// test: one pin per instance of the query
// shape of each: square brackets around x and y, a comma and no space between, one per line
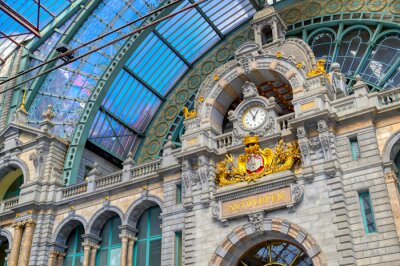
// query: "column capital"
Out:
[127,237]
[56,253]
[391,177]
[87,244]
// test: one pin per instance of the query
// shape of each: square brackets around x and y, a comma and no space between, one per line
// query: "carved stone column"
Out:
[16,245]
[130,251]
[124,248]
[60,258]
[394,198]
[52,258]
[27,244]
[86,253]
[93,253]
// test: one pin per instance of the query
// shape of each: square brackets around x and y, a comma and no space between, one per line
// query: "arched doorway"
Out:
[275,253]
[109,253]
[74,252]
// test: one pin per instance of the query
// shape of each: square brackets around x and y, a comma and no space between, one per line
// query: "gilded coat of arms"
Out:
[256,162]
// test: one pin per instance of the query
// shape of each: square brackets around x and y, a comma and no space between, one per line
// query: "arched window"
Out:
[275,253]
[147,250]
[4,246]
[10,184]
[382,58]
[323,46]
[109,253]
[394,80]
[74,254]
[352,50]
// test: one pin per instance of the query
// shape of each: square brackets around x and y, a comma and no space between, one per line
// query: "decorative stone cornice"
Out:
[25,222]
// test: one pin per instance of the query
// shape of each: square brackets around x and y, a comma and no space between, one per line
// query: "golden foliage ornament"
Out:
[256,162]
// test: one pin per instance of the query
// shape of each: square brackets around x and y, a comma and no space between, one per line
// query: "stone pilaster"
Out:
[52,258]
[86,253]
[16,246]
[392,182]
[27,244]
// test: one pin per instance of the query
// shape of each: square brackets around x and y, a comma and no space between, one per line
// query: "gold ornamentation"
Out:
[216,77]
[201,99]
[279,54]
[189,114]
[299,65]
[256,162]
[320,69]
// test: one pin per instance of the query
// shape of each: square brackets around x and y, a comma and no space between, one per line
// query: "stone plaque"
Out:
[258,202]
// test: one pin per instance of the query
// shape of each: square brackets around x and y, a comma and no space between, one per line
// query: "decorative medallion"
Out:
[256,162]
[354,5]
[194,82]
[312,10]
[154,147]
[222,55]
[395,7]
[292,15]
[171,112]
[376,5]
[182,96]
[207,67]
[333,6]
[161,129]
[237,42]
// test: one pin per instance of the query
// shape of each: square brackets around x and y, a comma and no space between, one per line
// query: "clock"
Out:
[254,116]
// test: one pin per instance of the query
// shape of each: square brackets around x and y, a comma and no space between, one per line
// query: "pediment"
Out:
[15,135]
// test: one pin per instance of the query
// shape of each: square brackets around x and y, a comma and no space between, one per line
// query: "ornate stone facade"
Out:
[313,204]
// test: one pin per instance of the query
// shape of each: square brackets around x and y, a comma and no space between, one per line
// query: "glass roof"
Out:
[13,33]
[150,72]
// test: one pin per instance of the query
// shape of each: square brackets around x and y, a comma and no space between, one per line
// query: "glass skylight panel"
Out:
[228,14]
[132,102]
[188,33]
[112,135]
[155,63]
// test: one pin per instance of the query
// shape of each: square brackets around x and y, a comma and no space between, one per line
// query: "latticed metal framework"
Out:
[129,95]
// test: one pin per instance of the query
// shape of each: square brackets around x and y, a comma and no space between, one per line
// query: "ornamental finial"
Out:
[22,106]
[49,114]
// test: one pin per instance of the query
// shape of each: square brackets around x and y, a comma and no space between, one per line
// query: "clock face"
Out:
[254,117]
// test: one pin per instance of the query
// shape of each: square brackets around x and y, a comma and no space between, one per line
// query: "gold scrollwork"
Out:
[284,157]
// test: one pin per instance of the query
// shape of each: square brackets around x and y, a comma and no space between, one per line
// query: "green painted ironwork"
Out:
[178,248]
[75,257]
[112,249]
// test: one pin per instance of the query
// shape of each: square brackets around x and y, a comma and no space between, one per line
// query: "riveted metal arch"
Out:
[81,133]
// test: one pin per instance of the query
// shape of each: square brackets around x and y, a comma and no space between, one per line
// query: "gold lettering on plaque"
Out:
[264,201]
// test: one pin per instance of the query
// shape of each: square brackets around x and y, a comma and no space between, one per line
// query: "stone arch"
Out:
[139,206]
[15,163]
[101,217]
[246,236]
[5,233]
[391,148]
[65,228]
[218,91]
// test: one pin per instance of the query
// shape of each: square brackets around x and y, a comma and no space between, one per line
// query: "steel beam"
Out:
[19,18]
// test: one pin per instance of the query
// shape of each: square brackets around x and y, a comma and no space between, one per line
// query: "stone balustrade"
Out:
[9,203]
[283,122]
[109,180]
[389,97]
[145,169]
[74,190]
[224,140]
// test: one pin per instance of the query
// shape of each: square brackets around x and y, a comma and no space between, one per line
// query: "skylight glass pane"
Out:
[132,102]
[189,33]
[157,64]
[228,14]
[111,135]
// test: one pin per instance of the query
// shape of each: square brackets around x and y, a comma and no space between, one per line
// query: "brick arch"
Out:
[246,236]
